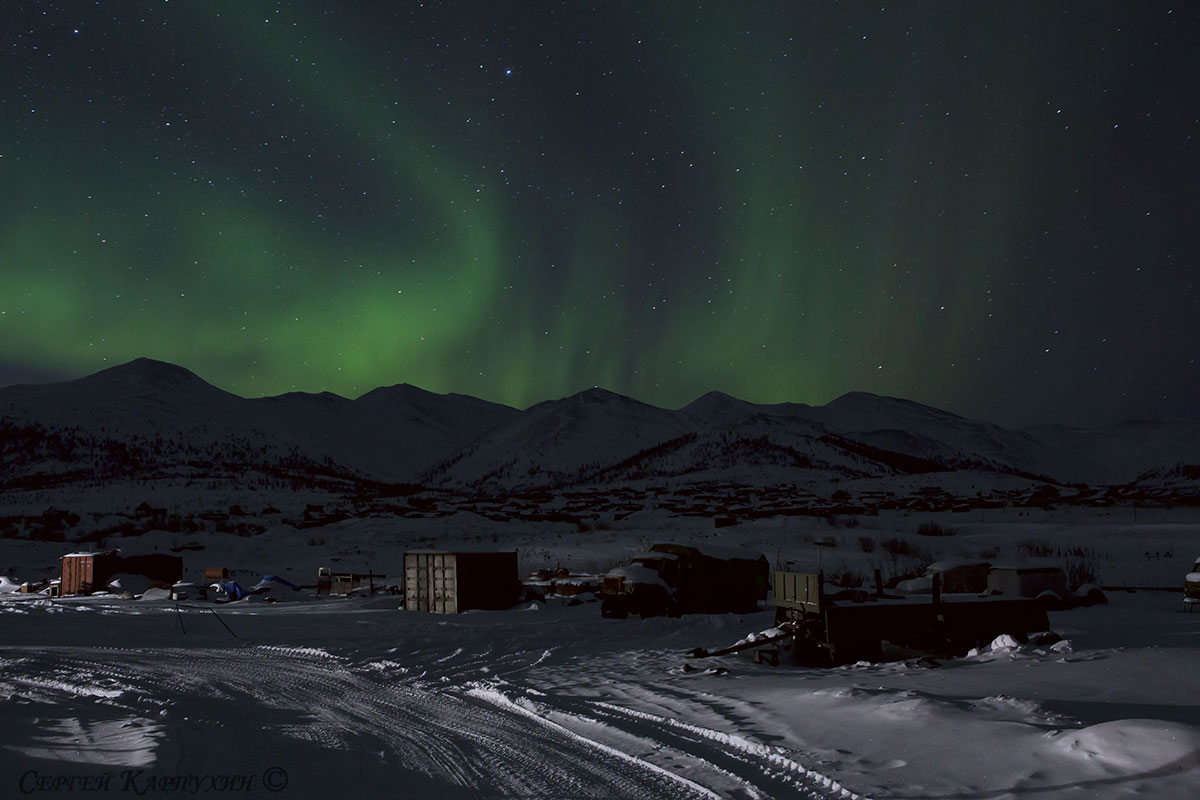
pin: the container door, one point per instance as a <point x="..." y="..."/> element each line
<point x="416" y="586"/>
<point x="442" y="579"/>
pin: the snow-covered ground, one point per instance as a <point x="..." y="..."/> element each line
<point x="553" y="700"/>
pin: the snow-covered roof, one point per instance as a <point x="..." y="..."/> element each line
<point x="655" y="556"/>
<point x="1025" y="568"/>
<point x="465" y="548"/>
<point x="636" y="573"/>
<point x="922" y="585"/>
<point x="723" y="551"/>
<point x="947" y="564"/>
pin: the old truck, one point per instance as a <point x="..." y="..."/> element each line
<point x="847" y="627"/>
<point x="674" y="579"/>
<point x="1191" y="587"/>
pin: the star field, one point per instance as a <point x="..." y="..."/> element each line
<point x="989" y="209"/>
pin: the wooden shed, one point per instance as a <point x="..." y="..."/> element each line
<point x="450" y="582"/>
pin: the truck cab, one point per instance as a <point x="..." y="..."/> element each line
<point x="1191" y="587"/>
<point x="646" y="586"/>
<point x="674" y="578"/>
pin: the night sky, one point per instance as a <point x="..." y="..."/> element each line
<point x="990" y="208"/>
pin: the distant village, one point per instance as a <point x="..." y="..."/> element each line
<point x="726" y="504"/>
<point x="669" y="578"/>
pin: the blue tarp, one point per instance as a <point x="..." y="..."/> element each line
<point x="283" y="581"/>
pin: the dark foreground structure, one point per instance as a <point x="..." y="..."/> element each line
<point x="835" y="631"/>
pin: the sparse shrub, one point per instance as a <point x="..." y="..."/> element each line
<point x="933" y="529"/>
<point x="899" y="547"/>
<point x="904" y="560"/>
<point x="899" y="568"/>
<point x="866" y="544"/>
<point x="1081" y="570"/>
<point x="1035" y="548"/>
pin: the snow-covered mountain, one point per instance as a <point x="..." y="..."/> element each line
<point x="561" y="442"/>
<point x="150" y="418"/>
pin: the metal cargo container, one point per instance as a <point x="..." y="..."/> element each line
<point x="84" y="573"/>
<point x="450" y="582"/>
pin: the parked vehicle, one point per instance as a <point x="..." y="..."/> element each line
<point x="674" y="579"/>
<point x="1191" y="587"/>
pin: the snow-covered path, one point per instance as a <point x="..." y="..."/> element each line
<point x="270" y="702"/>
<point x="559" y="702"/>
<point x="240" y="709"/>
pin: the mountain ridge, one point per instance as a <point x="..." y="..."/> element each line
<point x="161" y="415"/>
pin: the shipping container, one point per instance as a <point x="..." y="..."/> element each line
<point x="450" y="582"/>
<point x="84" y="573"/>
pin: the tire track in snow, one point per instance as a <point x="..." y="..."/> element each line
<point x="761" y="770"/>
<point x="770" y="759"/>
<point x="498" y="698"/>
<point x="484" y="748"/>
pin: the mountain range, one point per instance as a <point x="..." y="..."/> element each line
<point x="148" y="418"/>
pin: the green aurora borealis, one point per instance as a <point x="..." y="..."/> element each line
<point x="989" y="211"/>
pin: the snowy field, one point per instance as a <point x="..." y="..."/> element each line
<point x="104" y="697"/>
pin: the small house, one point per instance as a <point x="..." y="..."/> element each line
<point x="329" y="582"/>
<point x="449" y="582"/>
<point x="147" y="511"/>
